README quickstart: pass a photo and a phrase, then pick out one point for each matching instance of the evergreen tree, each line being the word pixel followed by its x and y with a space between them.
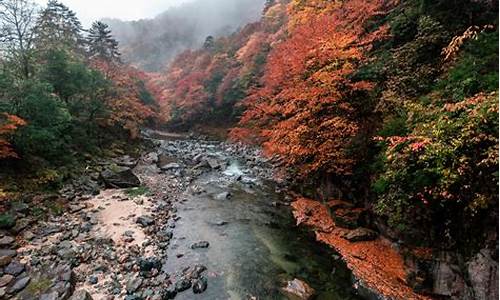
pixel 101 43
pixel 58 27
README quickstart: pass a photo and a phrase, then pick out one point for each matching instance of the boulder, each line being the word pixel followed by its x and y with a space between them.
pixel 200 245
pixel 298 289
pixel 120 177
pixel 81 295
pixel 145 221
pixel 18 285
pixel 360 234
pixel 483 275
pixel 199 285
pixel 170 166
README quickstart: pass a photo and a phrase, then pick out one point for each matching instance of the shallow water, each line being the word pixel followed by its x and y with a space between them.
pixel 257 250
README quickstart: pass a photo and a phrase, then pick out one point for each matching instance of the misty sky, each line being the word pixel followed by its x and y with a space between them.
pixel 91 10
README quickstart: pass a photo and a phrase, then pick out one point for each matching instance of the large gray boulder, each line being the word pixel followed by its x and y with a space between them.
pixel 483 275
pixel 119 177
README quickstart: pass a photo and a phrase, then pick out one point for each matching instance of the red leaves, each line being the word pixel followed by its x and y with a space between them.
pixel 8 125
pixel 127 109
pixel 303 109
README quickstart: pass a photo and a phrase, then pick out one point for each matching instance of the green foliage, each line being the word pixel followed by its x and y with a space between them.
pixel 434 170
pixel 476 69
pixel 7 221
pixel 137 191
pixel 48 122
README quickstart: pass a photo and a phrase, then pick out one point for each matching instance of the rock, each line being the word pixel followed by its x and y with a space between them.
pixel 483 274
pixel 169 293
pixel 213 163
pixel 7 241
pixel 194 272
pixel 120 177
pixel 5 260
pixel 14 268
pixel 81 295
pixel 18 285
pixel 199 285
pixel 8 252
pixel 126 161
pixel 148 264
pixel 145 221
pixel 360 234
pixel 348 218
pixel 170 166
pixel 49 296
pixel 219 222
pixel 200 244
pixel 93 280
pixel 223 196
pixel 133 285
pixel 298 289
pixel 5 280
pixel 182 284
pixel 151 158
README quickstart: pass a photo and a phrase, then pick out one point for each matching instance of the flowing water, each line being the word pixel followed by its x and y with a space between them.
pixel 254 245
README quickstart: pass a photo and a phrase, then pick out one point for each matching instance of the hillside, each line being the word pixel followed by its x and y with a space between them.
pixel 391 106
pixel 151 44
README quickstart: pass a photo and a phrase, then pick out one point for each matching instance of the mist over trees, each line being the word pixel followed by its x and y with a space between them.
pixel 151 44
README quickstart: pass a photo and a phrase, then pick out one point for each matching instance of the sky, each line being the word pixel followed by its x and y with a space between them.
pixel 91 10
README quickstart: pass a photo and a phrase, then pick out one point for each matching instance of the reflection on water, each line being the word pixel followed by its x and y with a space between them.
pixel 257 250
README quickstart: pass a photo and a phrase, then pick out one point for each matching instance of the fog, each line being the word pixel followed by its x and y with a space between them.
pixel 91 10
pixel 151 43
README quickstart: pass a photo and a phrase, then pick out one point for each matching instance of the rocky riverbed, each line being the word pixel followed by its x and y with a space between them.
pixel 191 219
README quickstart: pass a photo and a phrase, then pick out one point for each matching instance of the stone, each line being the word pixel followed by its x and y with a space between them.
pixel 148 264
pixel 81 295
pixel 18 285
pixel 200 245
pixel 5 260
pixel 145 221
pixel 360 234
pixel 49 296
pixel 133 285
pixel 298 289
pixel 8 252
pixel 7 241
pixel 170 166
pixel 6 279
pixel 93 280
pixel 483 274
pixel 182 284
pixel 120 177
pixel 199 285
pixel 14 268
pixel 223 196
pixel 213 163
pixel 169 293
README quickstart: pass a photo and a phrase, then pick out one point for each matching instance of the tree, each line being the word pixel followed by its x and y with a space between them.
pixel 8 125
pixel 17 20
pixel 101 43
pixel 58 27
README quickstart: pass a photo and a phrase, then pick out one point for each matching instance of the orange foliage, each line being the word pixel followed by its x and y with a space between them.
pixel 8 125
pixel 304 109
pixel 127 109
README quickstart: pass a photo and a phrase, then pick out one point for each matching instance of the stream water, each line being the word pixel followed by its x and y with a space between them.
pixel 254 245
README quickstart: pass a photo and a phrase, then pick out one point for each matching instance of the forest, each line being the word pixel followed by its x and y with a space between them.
pixel 378 120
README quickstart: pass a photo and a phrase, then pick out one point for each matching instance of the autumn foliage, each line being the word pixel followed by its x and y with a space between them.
pixel 305 109
pixel 8 125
